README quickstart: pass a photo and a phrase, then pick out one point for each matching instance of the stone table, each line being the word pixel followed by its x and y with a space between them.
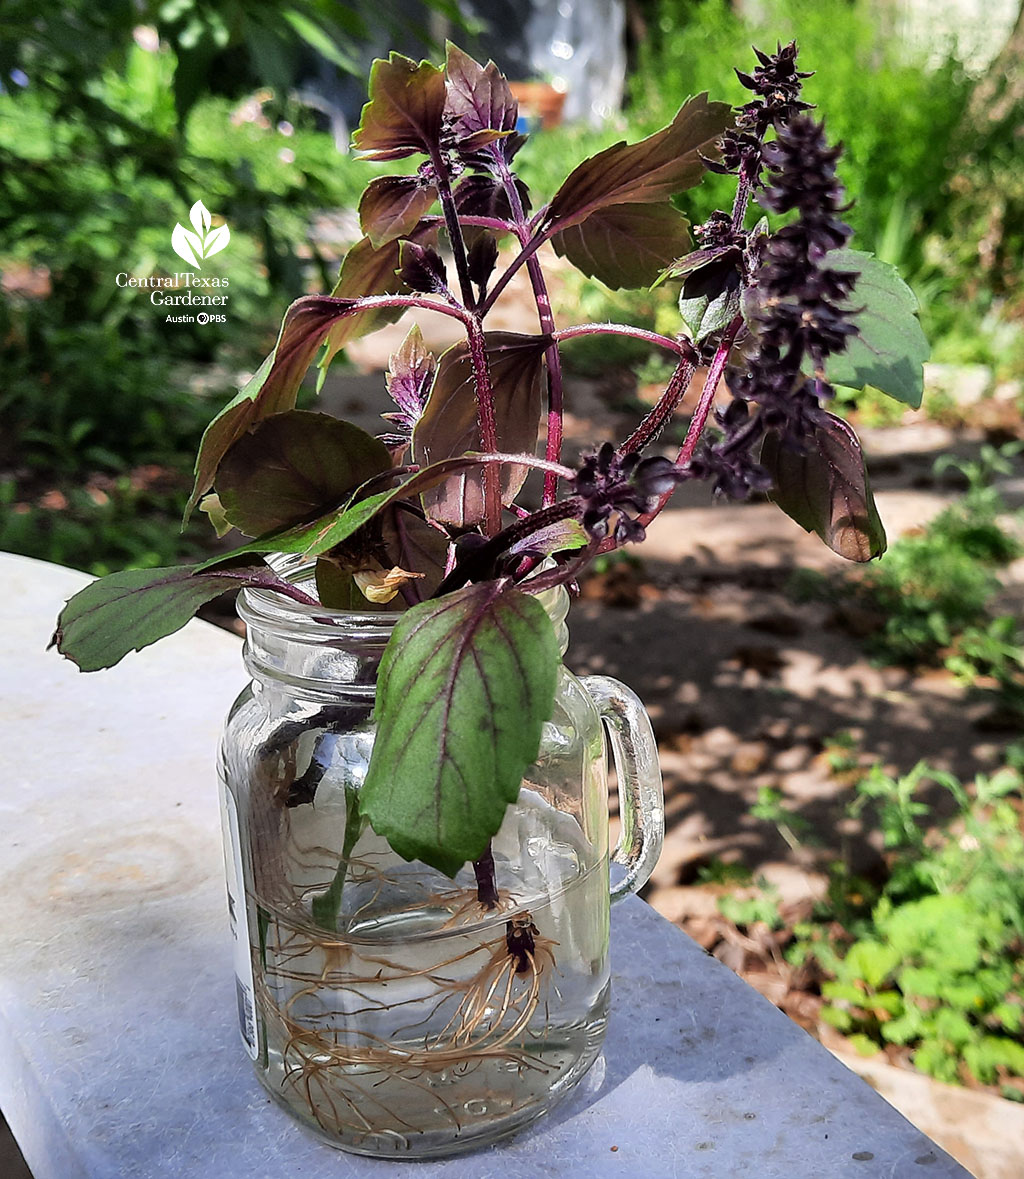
pixel 120 1055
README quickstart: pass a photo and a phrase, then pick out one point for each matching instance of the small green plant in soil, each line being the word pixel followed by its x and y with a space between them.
pixel 934 958
pixel 426 519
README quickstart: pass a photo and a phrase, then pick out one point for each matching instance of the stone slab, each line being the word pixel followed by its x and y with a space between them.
pixel 120 1056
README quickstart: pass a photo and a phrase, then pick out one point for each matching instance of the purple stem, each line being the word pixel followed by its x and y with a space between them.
pixel 622 329
pixel 553 450
pixel 451 221
pixel 531 247
pixel 707 397
pixel 654 423
pixel 486 421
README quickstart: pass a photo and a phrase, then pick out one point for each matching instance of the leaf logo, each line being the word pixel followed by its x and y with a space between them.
pixel 204 242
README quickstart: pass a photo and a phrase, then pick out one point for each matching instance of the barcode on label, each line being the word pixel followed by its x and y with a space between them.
pixel 246 1015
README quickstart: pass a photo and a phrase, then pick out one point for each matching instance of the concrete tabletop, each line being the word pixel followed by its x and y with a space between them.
pixel 120 1055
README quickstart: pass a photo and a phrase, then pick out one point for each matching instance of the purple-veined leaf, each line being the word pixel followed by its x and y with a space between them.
pixel 646 172
pixel 391 206
pixel 465 686
pixel 553 538
pixel 272 388
pixel 295 466
pixel 128 611
pixel 405 109
pixel 826 489
pixel 449 425
pixel 479 101
pixel 409 378
pixel 625 245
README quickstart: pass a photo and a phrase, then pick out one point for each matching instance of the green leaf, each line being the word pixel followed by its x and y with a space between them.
pixel 449 425
pixel 826 489
pixel 391 207
pixel 295 466
pixel 646 172
pixel 272 388
pixel 710 298
pixel 404 113
pixel 625 245
pixel 465 686
pixel 889 352
pixel 128 611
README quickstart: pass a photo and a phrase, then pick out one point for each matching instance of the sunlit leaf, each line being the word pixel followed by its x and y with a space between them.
pixel 891 348
pixel 649 171
pixel 404 113
pixel 710 298
pixel 391 206
pixel 295 466
pixel 826 489
pixel 449 425
pixel 479 100
pixel 625 245
pixel 409 378
pixel 465 686
pixel 128 611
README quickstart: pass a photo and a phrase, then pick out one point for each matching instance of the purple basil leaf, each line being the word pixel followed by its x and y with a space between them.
pixel 369 271
pixel 625 245
pixel 405 110
pixel 478 100
pixel 645 172
pixel 409 378
pixel 826 489
pixel 695 260
pixel 412 543
pixel 483 257
pixel 483 196
pixel 422 269
pixel 273 387
pixel 554 538
pixel 130 610
pixel 465 686
pixel 391 206
pixel 295 466
pixel 449 424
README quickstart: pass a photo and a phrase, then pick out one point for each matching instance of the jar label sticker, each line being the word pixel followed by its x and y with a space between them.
pixel 239 918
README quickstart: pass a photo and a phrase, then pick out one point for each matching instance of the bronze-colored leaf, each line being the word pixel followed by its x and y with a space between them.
pixel 625 245
pixel 272 388
pixel 405 109
pixel 826 489
pixel 449 424
pixel 664 163
pixel 369 271
pixel 479 100
pixel 391 206
pixel 294 467
pixel 414 543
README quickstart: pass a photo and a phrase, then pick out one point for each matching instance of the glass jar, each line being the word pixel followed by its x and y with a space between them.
pixel 381 1002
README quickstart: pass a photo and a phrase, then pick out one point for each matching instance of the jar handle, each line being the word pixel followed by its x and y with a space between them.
pixel 641 798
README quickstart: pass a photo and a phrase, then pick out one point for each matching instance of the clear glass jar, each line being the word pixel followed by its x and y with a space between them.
pixel 382 1004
